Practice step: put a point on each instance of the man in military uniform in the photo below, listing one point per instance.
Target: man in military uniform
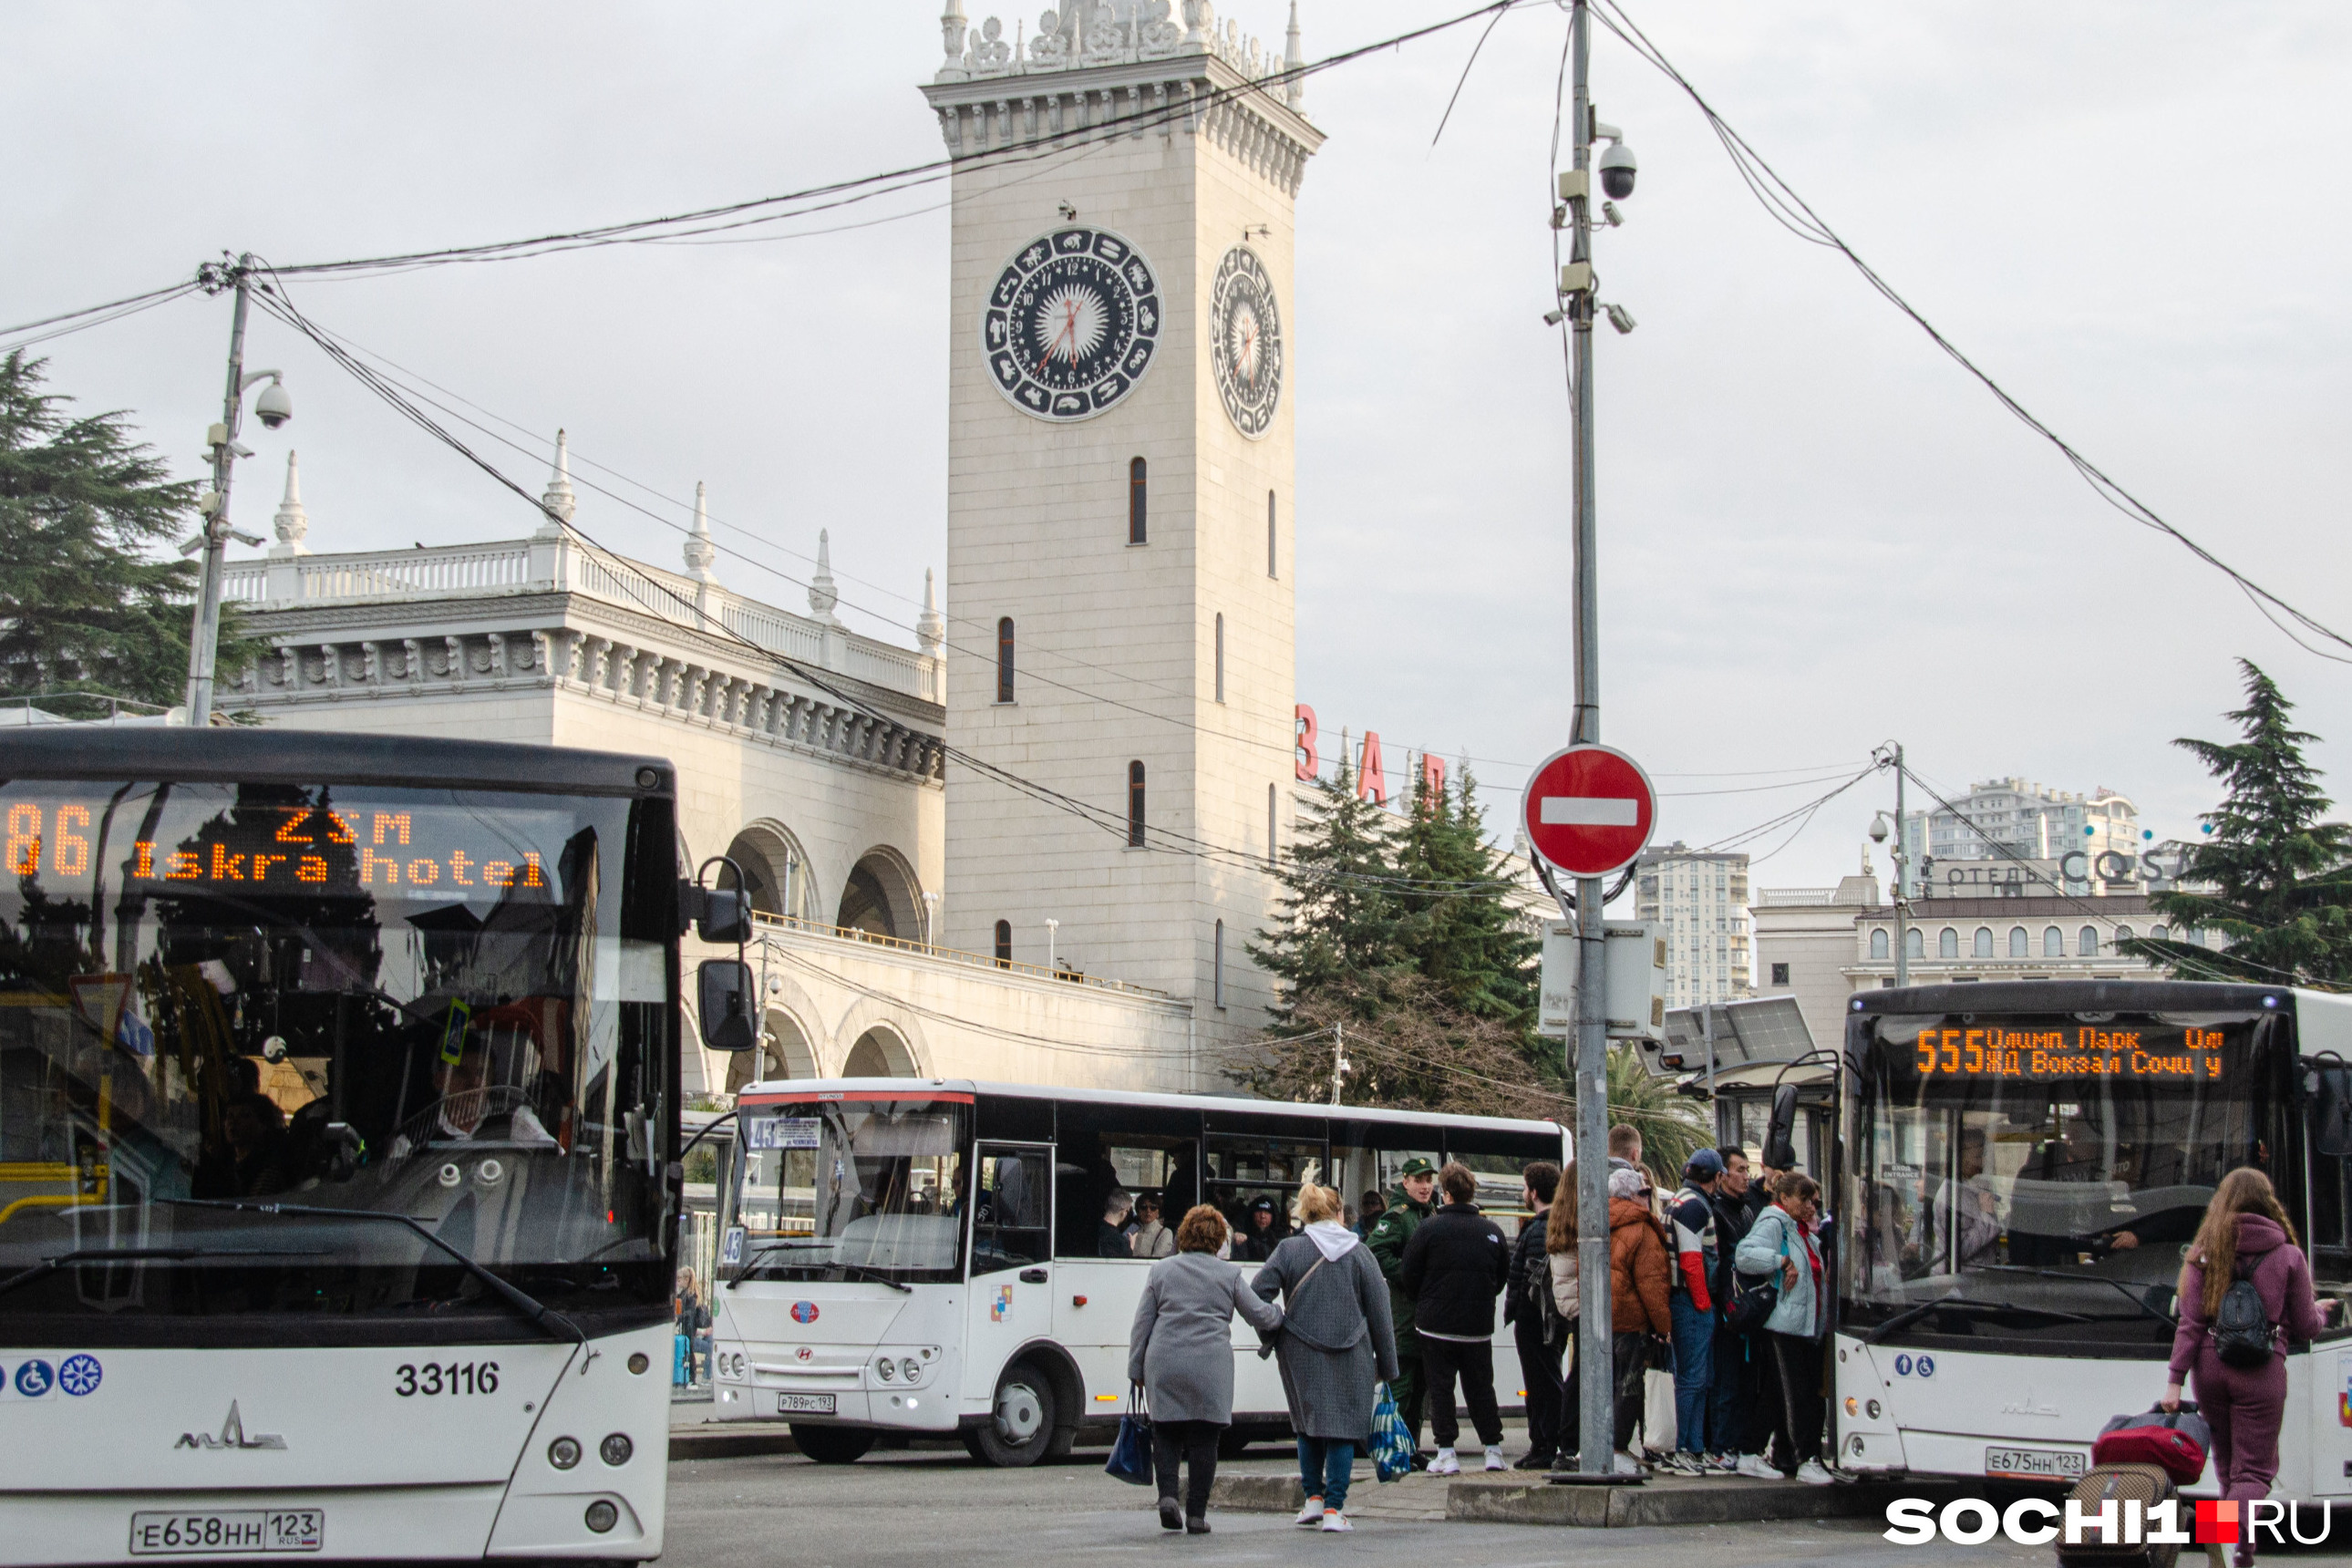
(1411, 1201)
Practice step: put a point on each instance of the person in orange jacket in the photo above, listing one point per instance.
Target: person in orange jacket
(1639, 1270)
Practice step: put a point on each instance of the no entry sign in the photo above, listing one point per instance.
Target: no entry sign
(1589, 810)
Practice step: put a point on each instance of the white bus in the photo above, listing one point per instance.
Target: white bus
(2020, 1167)
(338, 1089)
(929, 1255)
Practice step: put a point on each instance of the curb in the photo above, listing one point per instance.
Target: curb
(1702, 1502)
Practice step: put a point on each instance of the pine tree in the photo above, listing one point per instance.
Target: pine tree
(1462, 937)
(2278, 879)
(1340, 933)
(84, 608)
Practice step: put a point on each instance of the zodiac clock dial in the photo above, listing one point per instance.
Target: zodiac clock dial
(1245, 341)
(1072, 324)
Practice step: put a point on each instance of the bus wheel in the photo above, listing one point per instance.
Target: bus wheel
(832, 1445)
(1021, 1427)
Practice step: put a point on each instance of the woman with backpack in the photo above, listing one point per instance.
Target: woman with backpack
(2246, 1280)
(1783, 1245)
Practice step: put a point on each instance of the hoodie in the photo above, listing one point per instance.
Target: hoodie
(2278, 1270)
(1638, 1270)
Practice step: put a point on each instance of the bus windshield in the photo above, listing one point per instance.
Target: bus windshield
(843, 1188)
(448, 1004)
(2039, 1178)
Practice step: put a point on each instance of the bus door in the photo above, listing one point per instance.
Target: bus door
(1012, 1296)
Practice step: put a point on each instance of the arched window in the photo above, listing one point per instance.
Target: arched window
(1982, 946)
(1947, 943)
(1004, 943)
(1221, 656)
(1135, 806)
(2158, 933)
(1217, 960)
(1878, 944)
(1004, 660)
(2123, 934)
(2053, 943)
(1136, 532)
(1270, 556)
(2086, 942)
(1915, 943)
(2019, 943)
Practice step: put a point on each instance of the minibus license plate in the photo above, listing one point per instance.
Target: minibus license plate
(2036, 1464)
(804, 1404)
(236, 1532)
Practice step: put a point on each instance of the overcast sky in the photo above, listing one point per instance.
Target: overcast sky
(1817, 533)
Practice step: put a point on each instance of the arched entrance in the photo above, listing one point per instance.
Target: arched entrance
(879, 1053)
(783, 1052)
(882, 897)
(775, 870)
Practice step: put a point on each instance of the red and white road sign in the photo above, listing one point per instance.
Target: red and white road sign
(1590, 809)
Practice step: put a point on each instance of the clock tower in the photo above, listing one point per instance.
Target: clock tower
(1119, 574)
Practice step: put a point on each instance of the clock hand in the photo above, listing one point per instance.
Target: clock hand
(1069, 329)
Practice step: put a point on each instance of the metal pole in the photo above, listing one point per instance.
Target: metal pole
(203, 638)
(1902, 883)
(1338, 1057)
(1596, 1421)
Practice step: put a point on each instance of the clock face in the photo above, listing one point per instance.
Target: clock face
(1245, 341)
(1072, 324)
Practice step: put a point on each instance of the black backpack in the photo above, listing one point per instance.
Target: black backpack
(2243, 1335)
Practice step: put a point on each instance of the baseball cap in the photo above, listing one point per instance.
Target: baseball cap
(1704, 1166)
(1417, 1166)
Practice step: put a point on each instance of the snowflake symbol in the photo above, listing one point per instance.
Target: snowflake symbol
(79, 1375)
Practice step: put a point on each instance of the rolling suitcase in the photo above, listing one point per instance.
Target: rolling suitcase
(2122, 1484)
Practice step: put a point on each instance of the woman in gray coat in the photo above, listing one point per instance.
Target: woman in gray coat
(1181, 1350)
(1336, 1338)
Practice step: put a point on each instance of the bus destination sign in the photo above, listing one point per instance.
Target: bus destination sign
(2072, 1050)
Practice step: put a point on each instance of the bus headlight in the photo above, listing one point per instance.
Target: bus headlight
(602, 1516)
(885, 1369)
(615, 1450)
(910, 1369)
(1872, 1408)
(563, 1453)
(1853, 1405)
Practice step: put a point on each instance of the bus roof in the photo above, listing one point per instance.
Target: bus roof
(239, 753)
(770, 1091)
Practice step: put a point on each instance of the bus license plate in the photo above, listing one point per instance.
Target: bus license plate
(241, 1531)
(804, 1404)
(2036, 1464)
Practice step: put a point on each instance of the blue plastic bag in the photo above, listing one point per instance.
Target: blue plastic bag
(1130, 1453)
(1392, 1441)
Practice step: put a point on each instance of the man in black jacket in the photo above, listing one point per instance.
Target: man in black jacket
(1527, 1307)
(1453, 1267)
(1736, 1417)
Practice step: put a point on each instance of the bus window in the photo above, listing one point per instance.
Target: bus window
(1009, 1223)
(1368, 1158)
(1254, 1179)
(1146, 1151)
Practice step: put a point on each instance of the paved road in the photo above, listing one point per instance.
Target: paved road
(890, 1510)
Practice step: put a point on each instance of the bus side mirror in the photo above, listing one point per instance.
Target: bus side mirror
(723, 989)
(2331, 1111)
(719, 916)
(1779, 1133)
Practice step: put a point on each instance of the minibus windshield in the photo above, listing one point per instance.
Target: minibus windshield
(844, 1188)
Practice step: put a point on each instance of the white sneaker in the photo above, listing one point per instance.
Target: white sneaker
(1813, 1473)
(1333, 1521)
(1446, 1463)
(1627, 1464)
(1312, 1513)
(1757, 1466)
(1494, 1459)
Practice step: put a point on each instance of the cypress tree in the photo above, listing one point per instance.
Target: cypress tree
(2272, 878)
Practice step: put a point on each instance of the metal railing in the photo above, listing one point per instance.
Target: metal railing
(953, 955)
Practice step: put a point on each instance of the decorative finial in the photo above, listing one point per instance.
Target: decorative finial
(293, 524)
(1294, 59)
(822, 597)
(1200, 25)
(559, 502)
(931, 626)
(951, 30)
(699, 551)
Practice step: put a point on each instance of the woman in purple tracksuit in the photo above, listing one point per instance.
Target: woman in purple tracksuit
(2246, 1235)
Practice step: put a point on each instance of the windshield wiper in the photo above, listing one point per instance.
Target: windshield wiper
(865, 1270)
(1959, 1304)
(2139, 1301)
(540, 1316)
(49, 1266)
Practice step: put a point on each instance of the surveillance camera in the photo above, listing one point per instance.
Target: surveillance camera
(1878, 830)
(1554, 318)
(1609, 212)
(1620, 318)
(1617, 168)
(273, 408)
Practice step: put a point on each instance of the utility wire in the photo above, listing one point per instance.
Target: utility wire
(1790, 210)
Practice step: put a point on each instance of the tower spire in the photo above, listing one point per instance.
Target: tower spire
(700, 550)
(931, 626)
(823, 594)
(559, 502)
(292, 523)
(1294, 56)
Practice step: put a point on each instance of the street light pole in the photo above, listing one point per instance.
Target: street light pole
(1902, 884)
(203, 638)
(1596, 1421)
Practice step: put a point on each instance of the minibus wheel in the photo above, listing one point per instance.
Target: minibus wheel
(832, 1445)
(1020, 1427)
